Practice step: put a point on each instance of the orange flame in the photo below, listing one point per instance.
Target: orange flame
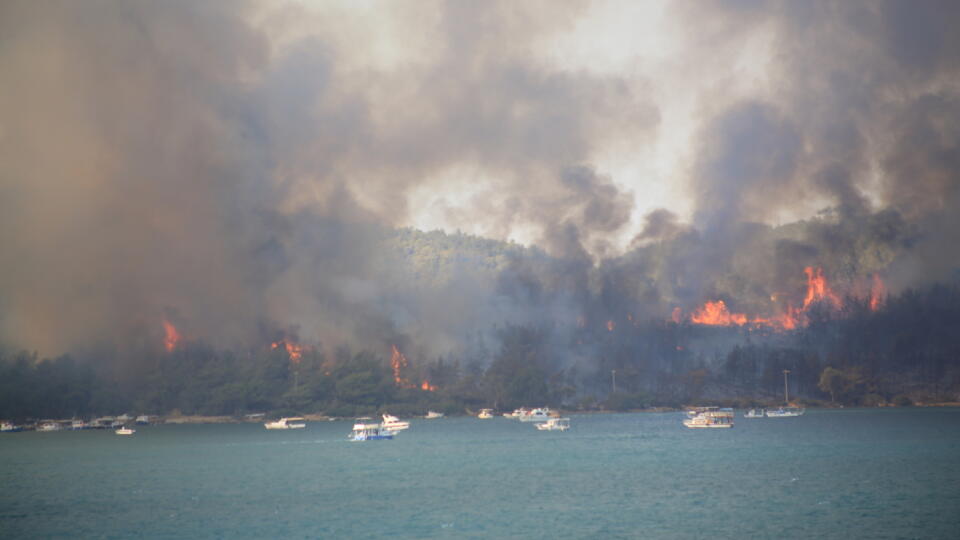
(717, 314)
(878, 293)
(398, 362)
(294, 350)
(426, 386)
(818, 290)
(172, 337)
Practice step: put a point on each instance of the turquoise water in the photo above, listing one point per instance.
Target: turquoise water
(891, 473)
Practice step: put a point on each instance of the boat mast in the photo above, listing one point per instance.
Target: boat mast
(786, 392)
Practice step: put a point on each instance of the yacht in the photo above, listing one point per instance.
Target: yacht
(554, 424)
(517, 413)
(536, 415)
(393, 423)
(712, 418)
(293, 422)
(432, 415)
(785, 412)
(363, 431)
(485, 414)
(754, 413)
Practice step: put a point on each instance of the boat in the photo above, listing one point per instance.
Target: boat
(125, 431)
(554, 424)
(535, 415)
(77, 425)
(517, 413)
(786, 412)
(363, 431)
(143, 420)
(49, 426)
(432, 415)
(754, 413)
(393, 423)
(712, 418)
(285, 423)
(485, 414)
(9, 427)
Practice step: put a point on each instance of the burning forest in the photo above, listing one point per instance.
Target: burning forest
(231, 213)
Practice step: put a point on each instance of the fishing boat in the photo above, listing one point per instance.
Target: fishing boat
(432, 415)
(363, 431)
(754, 413)
(554, 424)
(293, 422)
(485, 414)
(786, 412)
(125, 431)
(393, 423)
(713, 418)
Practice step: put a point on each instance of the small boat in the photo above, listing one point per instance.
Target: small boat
(554, 424)
(754, 413)
(49, 426)
(786, 412)
(9, 427)
(517, 413)
(143, 420)
(369, 432)
(711, 418)
(536, 415)
(125, 431)
(485, 414)
(393, 423)
(432, 415)
(286, 423)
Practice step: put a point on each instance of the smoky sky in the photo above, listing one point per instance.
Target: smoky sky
(236, 167)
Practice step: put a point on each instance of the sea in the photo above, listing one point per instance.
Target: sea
(841, 473)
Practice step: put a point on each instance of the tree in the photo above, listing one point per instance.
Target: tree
(832, 381)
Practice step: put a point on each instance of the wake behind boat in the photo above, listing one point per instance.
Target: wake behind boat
(554, 424)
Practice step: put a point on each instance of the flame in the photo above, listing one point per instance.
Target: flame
(878, 293)
(426, 386)
(717, 314)
(611, 326)
(817, 289)
(294, 350)
(398, 362)
(172, 337)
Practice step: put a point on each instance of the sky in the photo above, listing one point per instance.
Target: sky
(222, 164)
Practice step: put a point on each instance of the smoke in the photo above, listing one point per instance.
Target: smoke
(240, 169)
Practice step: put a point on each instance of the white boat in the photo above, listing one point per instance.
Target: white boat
(535, 415)
(293, 422)
(143, 420)
(517, 413)
(785, 412)
(712, 418)
(49, 426)
(363, 431)
(125, 431)
(393, 423)
(9, 427)
(754, 413)
(77, 425)
(554, 424)
(485, 414)
(432, 415)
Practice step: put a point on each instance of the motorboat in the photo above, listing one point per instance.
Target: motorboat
(554, 424)
(712, 418)
(9, 427)
(49, 426)
(292, 422)
(517, 413)
(431, 415)
(535, 415)
(143, 420)
(363, 431)
(754, 413)
(393, 423)
(125, 431)
(485, 414)
(786, 412)
(77, 425)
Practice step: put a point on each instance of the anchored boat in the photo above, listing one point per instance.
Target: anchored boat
(293, 422)
(711, 417)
